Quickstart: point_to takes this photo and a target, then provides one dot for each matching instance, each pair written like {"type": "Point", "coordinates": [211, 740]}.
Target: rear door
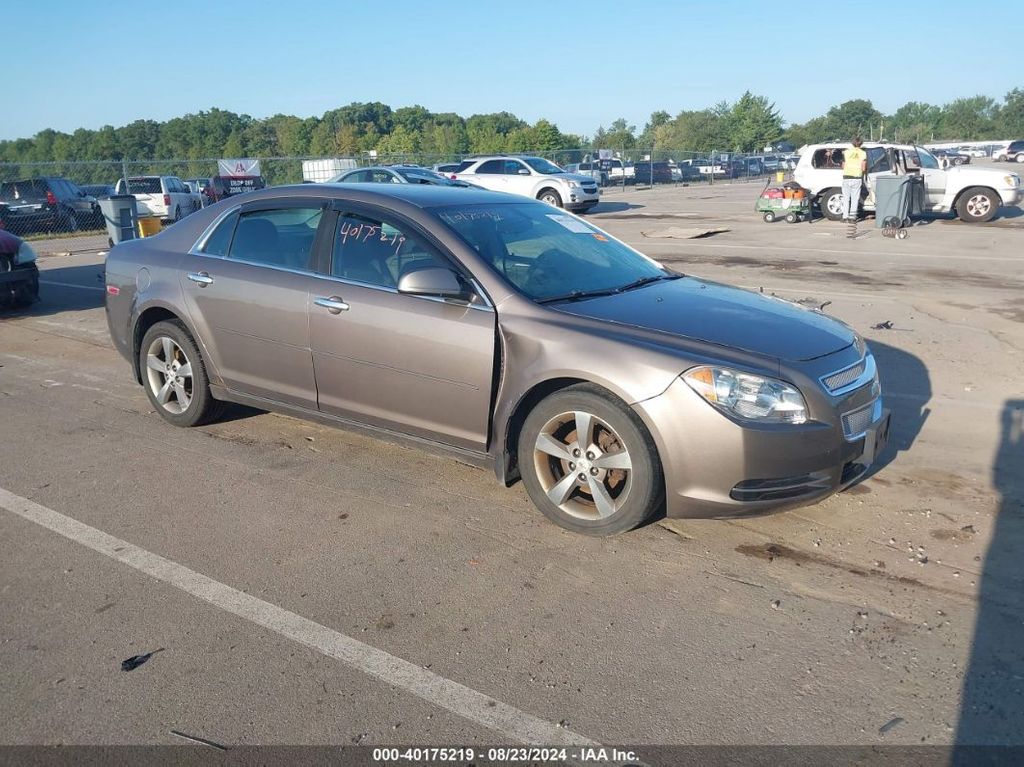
{"type": "Point", "coordinates": [491, 175]}
{"type": "Point", "coordinates": [417, 365]}
{"type": "Point", "coordinates": [247, 292]}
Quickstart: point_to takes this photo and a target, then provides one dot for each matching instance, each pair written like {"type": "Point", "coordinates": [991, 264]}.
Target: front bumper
{"type": "Point", "coordinates": [19, 282]}
{"type": "Point", "coordinates": [580, 198]}
{"type": "Point", "coordinates": [717, 467]}
{"type": "Point", "coordinates": [1012, 195]}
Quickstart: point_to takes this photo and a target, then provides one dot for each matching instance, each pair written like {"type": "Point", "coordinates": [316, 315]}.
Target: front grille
{"type": "Point", "coordinates": [836, 381]}
{"type": "Point", "coordinates": [590, 189]}
{"type": "Point", "coordinates": [856, 422]}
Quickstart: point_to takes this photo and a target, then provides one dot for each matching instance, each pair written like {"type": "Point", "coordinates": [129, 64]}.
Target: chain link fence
{"type": "Point", "coordinates": [41, 198]}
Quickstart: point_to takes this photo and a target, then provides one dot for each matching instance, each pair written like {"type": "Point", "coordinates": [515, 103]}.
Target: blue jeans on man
{"type": "Point", "coordinates": [851, 198]}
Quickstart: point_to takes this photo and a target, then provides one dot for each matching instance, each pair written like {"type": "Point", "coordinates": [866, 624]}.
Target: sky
{"type": "Point", "coordinates": [73, 64]}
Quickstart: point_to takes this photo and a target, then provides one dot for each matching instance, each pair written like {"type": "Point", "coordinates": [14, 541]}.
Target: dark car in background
{"type": "Point", "coordinates": [653, 173]}
{"type": "Point", "coordinates": [951, 157]}
{"type": "Point", "coordinates": [1014, 152]}
{"type": "Point", "coordinates": [395, 174]}
{"type": "Point", "coordinates": [99, 191]}
{"type": "Point", "coordinates": [508, 333]}
{"type": "Point", "coordinates": [19, 276]}
{"type": "Point", "coordinates": [47, 204]}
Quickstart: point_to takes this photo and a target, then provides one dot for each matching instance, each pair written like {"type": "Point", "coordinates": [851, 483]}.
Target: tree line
{"type": "Point", "coordinates": [746, 125]}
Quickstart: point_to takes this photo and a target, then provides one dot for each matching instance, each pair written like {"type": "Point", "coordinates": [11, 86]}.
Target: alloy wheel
{"type": "Point", "coordinates": [583, 465]}
{"type": "Point", "coordinates": [169, 373]}
{"type": "Point", "coordinates": [979, 205]}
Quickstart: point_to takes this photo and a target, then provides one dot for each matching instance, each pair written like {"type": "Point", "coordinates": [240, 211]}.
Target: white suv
{"type": "Point", "coordinates": [164, 196]}
{"type": "Point", "coordinates": [532, 177]}
{"type": "Point", "coordinates": [974, 193]}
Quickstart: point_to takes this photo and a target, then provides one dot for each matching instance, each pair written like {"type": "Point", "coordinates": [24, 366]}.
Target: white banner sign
{"type": "Point", "coordinates": [243, 166]}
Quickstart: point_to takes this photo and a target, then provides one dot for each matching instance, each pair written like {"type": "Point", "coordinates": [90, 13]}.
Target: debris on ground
{"type": "Point", "coordinates": [776, 604]}
{"type": "Point", "coordinates": [683, 233]}
{"type": "Point", "coordinates": [887, 325]}
{"type": "Point", "coordinates": [132, 663]}
{"type": "Point", "coordinates": [197, 739]}
{"type": "Point", "coordinates": [894, 722]}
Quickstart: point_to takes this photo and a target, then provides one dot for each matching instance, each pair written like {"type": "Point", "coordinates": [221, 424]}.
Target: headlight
{"type": "Point", "coordinates": [573, 184]}
{"type": "Point", "coordinates": [1012, 180]}
{"type": "Point", "coordinates": [25, 254]}
{"type": "Point", "coordinates": [748, 397]}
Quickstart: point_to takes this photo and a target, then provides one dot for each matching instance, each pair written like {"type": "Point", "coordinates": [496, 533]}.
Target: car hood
{"type": "Point", "coordinates": [577, 177]}
{"type": "Point", "coordinates": [722, 315]}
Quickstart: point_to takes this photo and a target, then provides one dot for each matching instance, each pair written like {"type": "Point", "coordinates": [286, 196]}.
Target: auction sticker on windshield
{"type": "Point", "coordinates": [570, 223]}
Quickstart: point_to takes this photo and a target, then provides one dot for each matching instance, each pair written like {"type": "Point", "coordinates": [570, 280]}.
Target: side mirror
{"type": "Point", "coordinates": [523, 172]}
{"type": "Point", "coordinates": [433, 281]}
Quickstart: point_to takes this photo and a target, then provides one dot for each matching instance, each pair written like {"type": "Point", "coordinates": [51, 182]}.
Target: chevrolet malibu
{"type": "Point", "coordinates": [507, 333]}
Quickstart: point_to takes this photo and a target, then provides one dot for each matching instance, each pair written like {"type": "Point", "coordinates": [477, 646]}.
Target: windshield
{"type": "Point", "coordinates": [419, 176]}
{"type": "Point", "coordinates": [928, 160]}
{"type": "Point", "coordinates": [541, 165]}
{"type": "Point", "coordinates": [548, 254]}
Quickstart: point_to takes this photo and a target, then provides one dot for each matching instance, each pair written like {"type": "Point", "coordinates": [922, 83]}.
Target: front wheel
{"type": "Point", "coordinates": [175, 377]}
{"type": "Point", "coordinates": [1020, 157]}
{"type": "Point", "coordinates": [551, 197]}
{"type": "Point", "coordinates": [831, 202]}
{"type": "Point", "coordinates": [588, 462]}
{"type": "Point", "coordinates": [791, 218]}
{"type": "Point", "coordinates": [977, 205]}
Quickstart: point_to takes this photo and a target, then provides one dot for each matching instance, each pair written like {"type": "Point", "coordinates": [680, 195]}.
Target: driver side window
{"type": "Point", "coordinates": [376, 252]}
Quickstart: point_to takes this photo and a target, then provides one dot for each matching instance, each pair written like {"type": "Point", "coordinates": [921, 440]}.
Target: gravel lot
{"type": "Point", "coordinates": [891, 613]}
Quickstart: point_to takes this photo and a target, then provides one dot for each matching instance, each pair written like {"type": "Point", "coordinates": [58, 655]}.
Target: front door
{"type": "Point", "coordinates": [417, 365]}
{"type": "Point", "coordinates": [247, 294]}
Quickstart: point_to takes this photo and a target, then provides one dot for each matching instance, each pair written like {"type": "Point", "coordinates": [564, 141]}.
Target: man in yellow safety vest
{"type": "Point", "coordinates": [855, 165]}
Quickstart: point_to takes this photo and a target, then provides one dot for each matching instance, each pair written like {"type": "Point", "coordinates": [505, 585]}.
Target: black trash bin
{"type": "Point", "coordinates": [121, 214]}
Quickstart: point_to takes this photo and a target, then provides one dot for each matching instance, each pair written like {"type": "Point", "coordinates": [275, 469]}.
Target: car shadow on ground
{"type": "Point", "coordinates": [992, 703]}
{"type": "Point", "coordinates": [906, 392]}
{"type": "Point", "coordinates": [64, 289]}
{"type": "Point", "coordinates": [614, 207]}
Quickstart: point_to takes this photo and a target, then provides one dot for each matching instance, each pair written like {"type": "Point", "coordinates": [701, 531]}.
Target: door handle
{"type": "Point", "coordinates": [333, 304]}
{"type": "Point", "coordinates": [201, 277]}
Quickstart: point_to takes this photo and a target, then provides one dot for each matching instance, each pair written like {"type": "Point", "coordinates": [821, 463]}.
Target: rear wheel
{"type": "Point", "coordinates": [791, 218]}
{"type": "Point", "coordinates": [551, 197]}
{"type": "Point", "coordinates": [977, 205]}
{"type": "Point", "coordinates": [1020, 157]}
{"type": "Point", "coordinates": [177, 214]}
{"type": "Point", "coordinates": [175, 377]}
{"type": "Point", "coordinates": [588, 462]}
{"type": "Point", "coordinates": [768, 217]}
{"type": "Point", "coordinates": [69, 222]}
{"type": "Point", "coordinates": [831, 203]}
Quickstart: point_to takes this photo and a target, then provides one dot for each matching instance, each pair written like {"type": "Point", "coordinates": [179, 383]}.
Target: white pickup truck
{"type": "Point", "coordinates": [974, 193]}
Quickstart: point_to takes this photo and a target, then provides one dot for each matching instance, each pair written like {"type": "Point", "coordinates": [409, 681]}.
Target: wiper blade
{"type": "Point", "coordinates": [647, 281]}
{"type": "Point", "coordinates": [577, 295]}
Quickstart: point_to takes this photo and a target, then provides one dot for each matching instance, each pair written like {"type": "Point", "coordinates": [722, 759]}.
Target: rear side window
{"type": "Point", "coordinates": [827, 158]}
{"type": "Point", "coordinates": [219, 241]}
{"type": "Point", "coordinates": [144, 186]}
{"type": "Point", "coordinates": [492, 166]}
{"type": "Point", "coordinates": [282, 238]}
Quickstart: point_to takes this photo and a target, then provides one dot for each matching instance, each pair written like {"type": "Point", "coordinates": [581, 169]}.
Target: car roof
{"type": "Point", "coordinates": [418, 195]}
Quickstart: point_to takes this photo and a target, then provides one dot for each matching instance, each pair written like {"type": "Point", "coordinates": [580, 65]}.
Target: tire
{"type": "Point", "coordinates": [791, 218]}
{"type": "Point", "coordinates": [1020, 157]}
{"type": "Point", "coordinates": [188, 402]}
{"type": "Point", "coordinates": [831, 204]}
{"type": "Point", "coordinates": [551, 197]}
{"type": "Point", "coordinates": [177, 214]}
{"type": "Point", "coordinates": [610, 498]}
{"type": "Point", "coordinates": [27, 295]}
{"type": "Point", "coordinates": [768, 217]}
{"type": "Point", "coordinates": [977, 205]}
